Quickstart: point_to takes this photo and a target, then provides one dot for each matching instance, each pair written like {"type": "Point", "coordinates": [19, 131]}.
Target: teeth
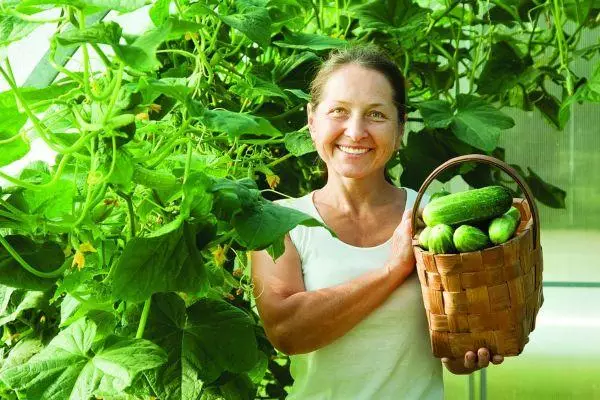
{"type": "Point", "coordinates": [351, 150]}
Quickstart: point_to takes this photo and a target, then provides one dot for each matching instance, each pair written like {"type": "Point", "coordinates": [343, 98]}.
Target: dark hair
{"type": "Point", "coordinates": [369, 56]}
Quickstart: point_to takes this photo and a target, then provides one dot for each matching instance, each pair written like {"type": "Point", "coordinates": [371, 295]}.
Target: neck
{"type": "Point", "coordinates": [352, 195]}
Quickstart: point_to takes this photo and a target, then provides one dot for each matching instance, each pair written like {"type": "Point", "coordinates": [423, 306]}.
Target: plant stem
{"type": "Point", "coordinates": [29, 268]}
{"type": "Point", "coordinates": [144, 318]}
{"type": "Point", "coordinates": [130, 213]}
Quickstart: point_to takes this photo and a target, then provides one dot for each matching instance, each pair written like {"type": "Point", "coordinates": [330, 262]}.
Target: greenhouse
{"type": "Point", "coordinates": [299, 199]}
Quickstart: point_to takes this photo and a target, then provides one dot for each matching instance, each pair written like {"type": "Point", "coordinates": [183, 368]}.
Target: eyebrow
{"type": "Point", "coordinates": [368, 105]}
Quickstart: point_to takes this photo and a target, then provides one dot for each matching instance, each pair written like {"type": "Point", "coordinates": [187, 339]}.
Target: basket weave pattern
{"type": "Point", "coordinates": [488, 298]}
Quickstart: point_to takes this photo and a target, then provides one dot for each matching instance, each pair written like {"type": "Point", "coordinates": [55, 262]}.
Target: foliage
{"type": "Point", "coordinates": [123, 267]}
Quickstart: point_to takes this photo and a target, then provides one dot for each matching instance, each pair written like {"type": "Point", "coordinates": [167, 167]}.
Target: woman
{"type": "Point", "coordinates": [348, 310]}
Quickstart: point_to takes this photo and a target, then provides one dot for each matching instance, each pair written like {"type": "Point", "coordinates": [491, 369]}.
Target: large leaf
{"type": "Point", "coordinates": [478, 123]}
{"type": "Point", "coordinates": [211, 338]}
{"type": "Point", "coordinates": [264, 222]}
{"type": "Point", "coordinates": [14, 150]}
{"type": "Point", "coordinates": [45, 257]}
{"type": "Point", "coordinates": [472, 120]}
{"type": "Point", "coordinates": [299, 143]}
{"type": "Point", "coordinates": [502, 70]}
{"type": "Point", "coordinates": [141, 54]}
{"type": "Point", "coordinates": [19, 302]}
{"type": "Point", "coordinates": [68, 368]}
{"type": "Point", "coordinates": [254, 22]}
{"type": "Point", "coordinates": [148, 265]}
{"type": "Point", "coordinates": [309, 41]}
{"type": "Point", "coordinates": [236, 124]}
{"type": "Point", "coordinates": [13, 29]}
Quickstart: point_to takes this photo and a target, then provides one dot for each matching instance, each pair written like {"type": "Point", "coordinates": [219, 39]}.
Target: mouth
{"type": "Point", "coordinates": [353, 150]}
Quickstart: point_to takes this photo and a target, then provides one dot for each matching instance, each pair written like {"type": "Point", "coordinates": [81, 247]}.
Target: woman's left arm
{"type": "Point", "coordinates": [472, 362]}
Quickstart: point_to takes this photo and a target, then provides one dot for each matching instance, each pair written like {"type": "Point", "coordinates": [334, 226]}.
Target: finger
{"type": "Point", "coordinates": [497, 359]}
{"type": "Point", "coordinates": [483, 358]}
{"type": "Point", "coordinates": [470, 359]}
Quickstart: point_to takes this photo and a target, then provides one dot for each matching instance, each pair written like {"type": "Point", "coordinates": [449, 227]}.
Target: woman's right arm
{"type": "Point", "coordinates": [298, 321]}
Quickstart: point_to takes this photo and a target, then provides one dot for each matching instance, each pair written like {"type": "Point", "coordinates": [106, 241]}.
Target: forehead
{"type": "Point", "coordinates": [356, 83]}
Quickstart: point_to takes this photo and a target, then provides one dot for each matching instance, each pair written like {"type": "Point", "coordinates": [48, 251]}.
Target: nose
{"type": "Point", "coordinates": [355, 128]}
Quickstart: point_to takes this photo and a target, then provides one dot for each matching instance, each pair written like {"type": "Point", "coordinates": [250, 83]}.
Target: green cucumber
{"type": "Point", "coordinates": [469, 238]}
{"type": "Point", "coordinates": [154, 179]}
{"type": "Point", "coordinates": [503, 228]}
{"type": "Point", "coordinates": [468, 207]}
{"type": "Point", "coordinates": [440, 239]}
{"type": "Point", "coordinates": [424, 237]}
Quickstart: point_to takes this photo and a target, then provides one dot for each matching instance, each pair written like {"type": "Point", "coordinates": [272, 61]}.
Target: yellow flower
{"type": "Point", "coordinates": [273, 181]}
{"type": "Point", "coordinates": [79, 258]}
{"type": "Point", "coordinates": [155, 108]}
{"type": "Point", "coordinates": [142, 116]}
{"type": "Point", "coordinates": [219, 255]}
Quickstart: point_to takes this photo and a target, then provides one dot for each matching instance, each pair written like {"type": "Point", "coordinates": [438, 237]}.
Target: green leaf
{"type": "Point", "coordinates": [101, 32]}
{"type": "Point", "coordinates": [141, 54]}
{"type": "Point", "coordinates": [178, 378]}
{"type": "Point", "coordinates": [45, 257]}
{"type": "Point", "coordinates": [436, 113]}
{"type": "Point", "coordinates": [254, 22]}
{"type": "Point", "coordinates": [262, 224]}
{"type": "Point", "coordinates": [160, 12]}
{"type": "Point", "coordinates": [13, 150]}
{"type": "Point", "coordinates": [254, 87]}
{"type": "Point", "coordinates": [478, 123]}
{"type": "Point", "coordinates": [550, 108]}
{"type": "Point", "coordinates": [117, 5]}
{"type": "Point", "coordinates": [211, 338]}
{"type": "Point", "coordinates": [13, 29]}
{"type": "Point", "coordinates": [21, 352]}
{"type": "Point", "coordinates": [169, 262]}
{"type": "Point", "coordinates": [548, 194]}
{"type": "Point", "coordinates": [299, 143]}
{"type": "Point", "coordinates": [473, 120]}
{"type": "Point", "coordinates": [236, 124]}
{"type": "Point", "coordinates": [289, 64]}
{"type": "Point", "coordinates": [54, 202]}
{"type": "Point", "coordinates": [21, 301]}
{"type": "Point", "coordinates": [67, 369]}
{"type": "Point", "coordinates": [122, 174]}
{"type": "Point", "coordinates": [309, 41]}
{"type": "Point", "coordinates": [502, 70]}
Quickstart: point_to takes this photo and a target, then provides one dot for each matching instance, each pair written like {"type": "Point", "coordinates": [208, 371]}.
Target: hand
{"type": "Point", "coordinates": [472, 361]}
{"type": "Point", "coordinates": [402, 259]}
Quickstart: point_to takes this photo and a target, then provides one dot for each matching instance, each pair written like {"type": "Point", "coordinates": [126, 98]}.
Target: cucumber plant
{"type": "Point", "coordinates": [124, 263]}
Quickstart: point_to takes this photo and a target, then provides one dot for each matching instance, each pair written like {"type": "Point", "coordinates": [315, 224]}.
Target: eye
{"type": "Point", "coordinates": [377, 114]}
{"type": "Point", "coordinates": [338, 112]}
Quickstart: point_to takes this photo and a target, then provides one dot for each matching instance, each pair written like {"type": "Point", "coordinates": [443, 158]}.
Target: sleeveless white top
{"type": "Point", "coordinates": [385, 356]}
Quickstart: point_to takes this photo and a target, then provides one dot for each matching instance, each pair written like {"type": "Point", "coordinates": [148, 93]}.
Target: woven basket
{"type": "Point", "coordinates": [488, 298]}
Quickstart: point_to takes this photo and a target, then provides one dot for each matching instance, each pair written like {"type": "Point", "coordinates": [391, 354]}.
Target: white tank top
{"type": "Point", "coordinates": [388, 354]}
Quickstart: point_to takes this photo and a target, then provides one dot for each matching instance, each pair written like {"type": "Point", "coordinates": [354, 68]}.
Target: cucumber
{"type": "Point", "coordinates": [469, 238]}
{"type": "Point", "coordinates": [424, 237]}
{"type": "Point", "coordinates": [440, 239]}
{"type": "Point", "coordinates": [468, 207]}
{"type": "Point", "coordinates": [503, 228]}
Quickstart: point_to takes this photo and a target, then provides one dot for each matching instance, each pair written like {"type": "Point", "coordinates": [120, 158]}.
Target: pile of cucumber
{"type": "Point", "coordinates": [468, 221]}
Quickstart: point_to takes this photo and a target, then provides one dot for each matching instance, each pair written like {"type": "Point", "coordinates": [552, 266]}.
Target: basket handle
{"type": "Point", "coordinates": [485, 160]}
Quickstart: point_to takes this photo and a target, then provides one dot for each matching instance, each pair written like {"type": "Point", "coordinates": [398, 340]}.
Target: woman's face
{"type": "Point", "coordinates": [355, 127]}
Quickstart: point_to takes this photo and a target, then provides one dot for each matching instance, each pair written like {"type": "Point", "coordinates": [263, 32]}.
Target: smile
{"type": "Point", "coordinates": [353, 150]}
